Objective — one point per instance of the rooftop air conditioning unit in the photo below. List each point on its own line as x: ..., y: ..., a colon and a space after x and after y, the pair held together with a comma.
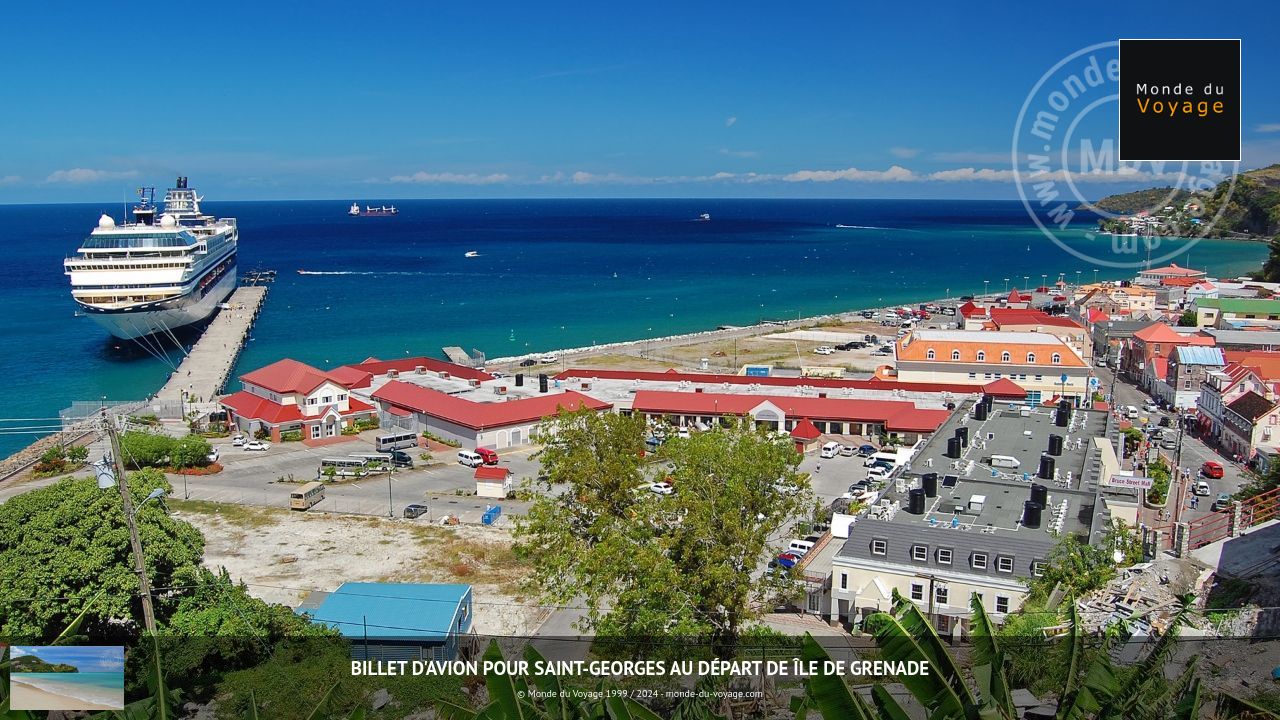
x: 473, y: 383
x: 500, y: 389
x: 585, y: 386
x: 393, y: 373
x: 443, y: 375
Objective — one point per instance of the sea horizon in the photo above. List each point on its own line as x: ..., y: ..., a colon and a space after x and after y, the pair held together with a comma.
x: 550, y: 274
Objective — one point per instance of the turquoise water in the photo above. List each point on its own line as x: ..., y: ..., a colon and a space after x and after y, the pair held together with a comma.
x: 550, y: 274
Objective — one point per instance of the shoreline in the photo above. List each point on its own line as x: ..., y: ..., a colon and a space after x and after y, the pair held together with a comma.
x: 25, y: 696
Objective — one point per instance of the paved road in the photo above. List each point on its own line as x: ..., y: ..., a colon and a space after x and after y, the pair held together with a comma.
x: 1194, y: 454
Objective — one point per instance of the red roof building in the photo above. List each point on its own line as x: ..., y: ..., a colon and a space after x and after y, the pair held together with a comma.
x: 1157, y: 340
x: 291, y: 396
x: 828, y: 415
x: 374, y: 366
x: 496, y: 425
x: 805, y: 430
x: 673, y: 375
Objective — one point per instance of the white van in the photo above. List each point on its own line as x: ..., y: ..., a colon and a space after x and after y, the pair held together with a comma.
x: 470, y: 458
x: 830, y: 450
x: 1004, y: 461
x: 877, y: 473
x: 881, y: 457
x: 800, y: 547
x: 1131, y: 412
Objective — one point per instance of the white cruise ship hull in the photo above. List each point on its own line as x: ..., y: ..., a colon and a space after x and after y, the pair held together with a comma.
x: 194, y: 307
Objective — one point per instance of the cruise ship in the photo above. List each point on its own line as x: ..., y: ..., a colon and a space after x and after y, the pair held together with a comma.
x: 160, y: 271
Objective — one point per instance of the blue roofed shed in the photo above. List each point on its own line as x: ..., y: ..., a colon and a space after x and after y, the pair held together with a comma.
x: 396, y: 621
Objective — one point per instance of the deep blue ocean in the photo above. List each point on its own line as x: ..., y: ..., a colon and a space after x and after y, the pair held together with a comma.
x: 550, y: 274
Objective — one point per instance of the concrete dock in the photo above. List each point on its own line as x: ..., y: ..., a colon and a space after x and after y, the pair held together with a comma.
x: 204, y: 372
x: 458, y: 356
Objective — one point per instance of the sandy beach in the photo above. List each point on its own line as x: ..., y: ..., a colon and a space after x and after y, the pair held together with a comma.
x: 30, y: 697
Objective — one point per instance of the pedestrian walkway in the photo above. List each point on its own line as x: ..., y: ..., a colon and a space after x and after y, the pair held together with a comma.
x: 204, y: 372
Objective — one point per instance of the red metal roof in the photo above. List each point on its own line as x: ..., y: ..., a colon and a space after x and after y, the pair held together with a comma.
x: 492, y: 472
x: 1004, y: 388
x: 288, y: 376
x: 894, y: 414
x: 805, y: 430
x: 351, y: 377
x: 672, y: 375
x: 247, y: 405
x: 1161, y: 333
x: 1014, y: 316
x: 374, y: 366
x: 1171, y: 270
x: 480, y: 415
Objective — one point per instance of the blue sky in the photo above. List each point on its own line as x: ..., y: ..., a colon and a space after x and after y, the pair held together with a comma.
x: 86, y: 659
x: 568, y: 99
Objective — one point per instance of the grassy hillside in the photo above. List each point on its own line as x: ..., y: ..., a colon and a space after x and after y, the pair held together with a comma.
x: 1253, y: 207
x: 31, y: 663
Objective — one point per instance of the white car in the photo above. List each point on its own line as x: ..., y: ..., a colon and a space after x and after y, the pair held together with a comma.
x: 1151, y: 407
x: 257, y: 445
x: 824, y: 350
x: 683, y: 433
x: 877, y: 473
x: 238, y: 440
x: 213, y: 455
x: 546, y: 359
x: 662, y: 488
x: 1202, y: 489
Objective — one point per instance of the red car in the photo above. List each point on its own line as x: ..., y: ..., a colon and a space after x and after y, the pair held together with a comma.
x: 1211, y: 469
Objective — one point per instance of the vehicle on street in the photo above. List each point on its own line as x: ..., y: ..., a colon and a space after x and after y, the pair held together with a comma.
x: 662, y: 488
x: 548, y: 358
x: 1201, y: 488
x: 848, y: 450
x: 1131, y: 412
x: 866, y: 450
x: 257, y: 445
x: 344, y: 466
x: 800, y: 547
x: 305, y: 497
x: 528, y: 362
x: 1211, y: 469
x: 786, y: 561
x: 239, y: 440
x: 1222, y: 502
x: 683, y: 433
x: 395, y: 441
x: 1165, y: 421
x: 823, y: 350
x: 1151, y: 407
x: 1169, y: 442
x: 415, y: 510
x: 401, y: 459
x: 879, y: 472
x: 470, y: 458
x: 213, y: 455
x: 829, y: 450
x: 489, y: 456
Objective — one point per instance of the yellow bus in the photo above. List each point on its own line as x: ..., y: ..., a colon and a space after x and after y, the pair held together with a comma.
x: 306, y: 496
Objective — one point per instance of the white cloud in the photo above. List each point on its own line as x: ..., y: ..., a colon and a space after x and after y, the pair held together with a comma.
x: 739, y: 153
x: 904, y: 152
x: 896, y: 173
x: 969, y: 174
x: 86, y: 175
x: 10, y: 180
x: 1267, y: 128
x: 730, y: 121
x: 446, y: 178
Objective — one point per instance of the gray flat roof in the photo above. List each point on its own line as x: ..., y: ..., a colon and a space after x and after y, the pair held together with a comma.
x: 979, y: 506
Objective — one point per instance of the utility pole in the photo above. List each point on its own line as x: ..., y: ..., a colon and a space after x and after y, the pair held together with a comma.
x: 135, y: 542
x: 391, y: 508
x: 1177, y: 468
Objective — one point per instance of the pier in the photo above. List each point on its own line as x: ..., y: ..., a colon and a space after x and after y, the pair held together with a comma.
x: 205, y: 371
x: 458, y: 356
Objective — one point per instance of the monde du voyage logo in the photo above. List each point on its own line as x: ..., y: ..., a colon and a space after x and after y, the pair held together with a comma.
x: 1179, y: 100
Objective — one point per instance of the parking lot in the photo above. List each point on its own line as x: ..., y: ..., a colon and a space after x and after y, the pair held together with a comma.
x: 265, y: 478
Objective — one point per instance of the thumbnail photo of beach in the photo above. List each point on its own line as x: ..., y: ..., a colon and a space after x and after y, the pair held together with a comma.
x: 66, y: 678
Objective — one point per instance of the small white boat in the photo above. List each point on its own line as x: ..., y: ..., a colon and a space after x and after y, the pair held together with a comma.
x: 704, y: 217
x: 473, y: 253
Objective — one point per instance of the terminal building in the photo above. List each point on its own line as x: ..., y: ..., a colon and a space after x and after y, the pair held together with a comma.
x: 288, y: 395
x: 977, y: 510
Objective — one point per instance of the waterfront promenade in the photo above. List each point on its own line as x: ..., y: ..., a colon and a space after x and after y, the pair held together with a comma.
x: 205, y: 370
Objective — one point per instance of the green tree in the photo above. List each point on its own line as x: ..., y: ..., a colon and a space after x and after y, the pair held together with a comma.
x: 1078, y: 567
x: 651, y: 565
x: 144, y: 449
x: 63, y: 544
x: 1187, y: 318
x: 190, y: 451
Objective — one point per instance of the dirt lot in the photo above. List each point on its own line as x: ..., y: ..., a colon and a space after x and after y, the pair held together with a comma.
x: 283, y: 555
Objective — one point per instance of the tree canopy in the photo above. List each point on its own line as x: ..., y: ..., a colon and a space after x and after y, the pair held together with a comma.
x: 60, y: 545
x: 652, y: 565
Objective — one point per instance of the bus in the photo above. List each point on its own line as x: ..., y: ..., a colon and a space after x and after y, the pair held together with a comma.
x: 377, y: 461
x: 345, y: 466
x: 396, y: 441
x: 305, y: 497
